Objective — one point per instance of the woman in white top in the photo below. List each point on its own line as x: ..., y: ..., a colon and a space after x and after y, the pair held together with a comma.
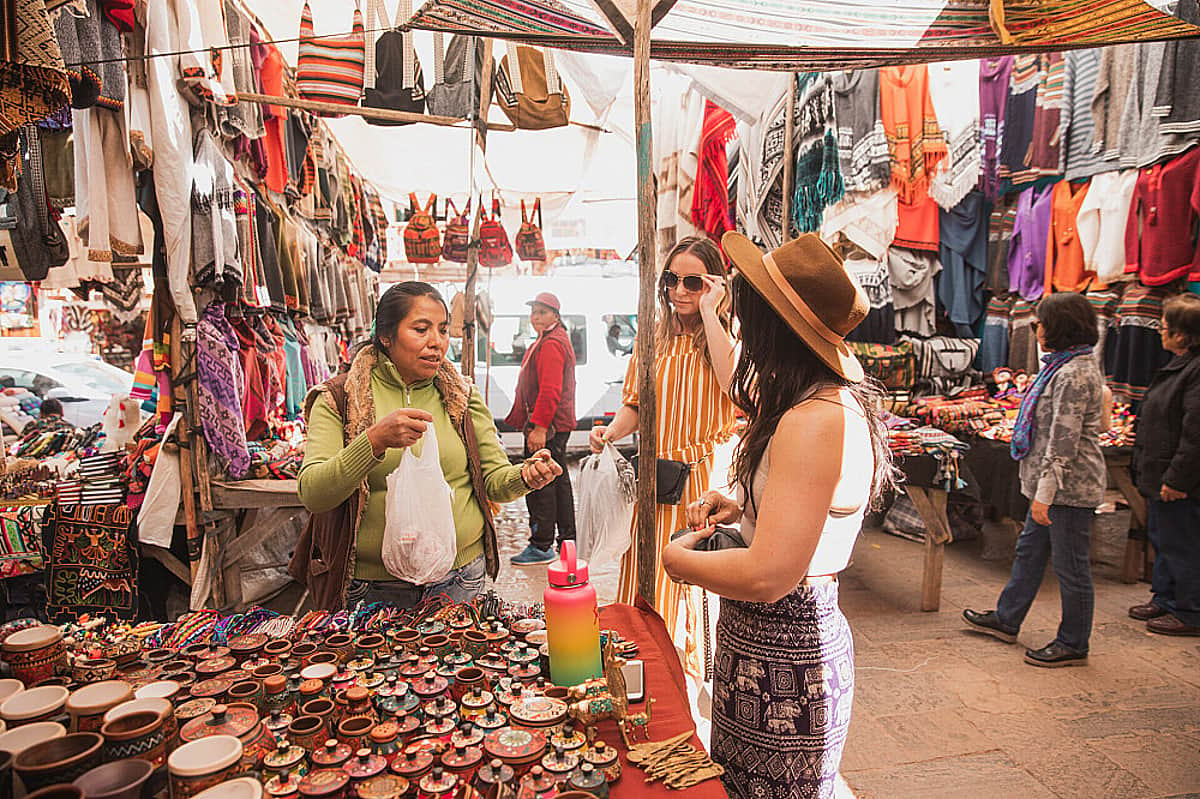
x: 814, y: 457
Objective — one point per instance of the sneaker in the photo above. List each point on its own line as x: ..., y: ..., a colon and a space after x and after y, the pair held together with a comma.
x: 988, y: 624
x: 1146, y: 612
x: 1054, y: 655
x: 1170, y: 625
x: 532, y: 556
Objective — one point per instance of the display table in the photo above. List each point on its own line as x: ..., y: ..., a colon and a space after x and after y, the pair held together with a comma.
x: 667, y: 685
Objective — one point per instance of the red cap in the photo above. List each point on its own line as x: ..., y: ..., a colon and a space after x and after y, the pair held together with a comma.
x: 567, y: 571
x: 547, y: 299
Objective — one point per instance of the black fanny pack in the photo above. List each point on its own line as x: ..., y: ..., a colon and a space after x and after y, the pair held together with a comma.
x: 671, y: 478
x: 722, y: 538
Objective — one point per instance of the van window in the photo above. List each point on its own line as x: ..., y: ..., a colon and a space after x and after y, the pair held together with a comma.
x: 511, y: 336
x: 620, y: 333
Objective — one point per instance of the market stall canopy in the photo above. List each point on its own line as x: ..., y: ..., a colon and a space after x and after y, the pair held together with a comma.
x: 812, y: 35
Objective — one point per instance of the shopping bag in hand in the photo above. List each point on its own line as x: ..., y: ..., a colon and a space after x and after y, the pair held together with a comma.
x: 607, y: 492
x: 419, y: 541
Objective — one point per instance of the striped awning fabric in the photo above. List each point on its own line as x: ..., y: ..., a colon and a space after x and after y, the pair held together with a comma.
x: 819, y: 34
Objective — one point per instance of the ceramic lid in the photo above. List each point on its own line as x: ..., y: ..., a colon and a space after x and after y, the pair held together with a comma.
x: 275, y: 684
x: 216, y: 665
x: 495, y: 771
x: 311, y: 687
x: 413, y: 762
x: 162, y: 689
x: 213, y: 687
x: 574, y: 740
x: 9, y: 687
x: 251, y: 642
x: 526, y: 626
x: 536, y: 637
x: 193, y: 708
x: 284, y: 784
x: 431, y: 684
x: 371, y: 680
x: 278, y: 721
x: 382, y: 786
x: 538, y: 779
x: 23, y: 737
x: 600, y: 754
x: 365, y: 764
x: 438, y: 781
x: 385, y: 732
x: 99, y: 696
x: 560, y: 761
x: 357, y: 694
x: 514, y: 745
x: 205, y: 755
x: 461, y: 758
x: 439, y: 727
x: 236, y: 719
x: 588, y: 777
x: 491, y: 720
x: 431, y: 627
x: 34, y: 702
x: 440, y: 708
x: 331, y: 754
x: 467, y: 734
x: 32, y: 638
x: 324, y: 782
x: 240, y: 788
x: 318, y: 671
x: 457, y: 659
x: 478, y: 699
x: 540, y: 711
x: 153, y: 704
x: 359, y: 665
x: 284, y: 756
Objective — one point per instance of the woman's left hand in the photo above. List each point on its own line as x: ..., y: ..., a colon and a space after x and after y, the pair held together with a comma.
x: 714, y: 292
x: 685, y: 543
x: 1040, y: 512
x: 540, y: 470
x: 1169, y: 494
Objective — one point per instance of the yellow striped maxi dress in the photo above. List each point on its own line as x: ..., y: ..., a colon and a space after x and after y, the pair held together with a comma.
x: 694, y: 417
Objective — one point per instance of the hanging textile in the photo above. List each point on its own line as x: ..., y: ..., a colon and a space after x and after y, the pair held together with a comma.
x: 912, y: 276
x: 269, y: 64
x: 1000, y: 227
x: 879, y: 327
x: 1023, y: 352
x: 91, y: 44
x: 1177, y: 97
x: 916, y: 147
x: 710, y: 198
x: 1066, y: 269
x: 1076, y: 126
x: 1027, y: 252
x: 1117, y: 66
x: 1135, y: 353
x: 35, y: 84
x: 205, y: 66
x: 963, y: 235
x: 1143, y: 140
x: 216, y: 261
x: 993, y: 346
x: 1019, y: 111
x: 240, y: 119
x: 1165, y: 209
x: 220, y: 383
x: 106, y: 201
x: 93, y: 562
x: 954, y: 90
x: 861, y: 140
x: 1101, y: 224
x: 994, y: 74
x: 867, y: 220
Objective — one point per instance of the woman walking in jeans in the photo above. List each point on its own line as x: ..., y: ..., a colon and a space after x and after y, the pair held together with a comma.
x: 1057, y: 441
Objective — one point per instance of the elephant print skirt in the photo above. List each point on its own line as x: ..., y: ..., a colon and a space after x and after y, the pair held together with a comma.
x: 782, y: 692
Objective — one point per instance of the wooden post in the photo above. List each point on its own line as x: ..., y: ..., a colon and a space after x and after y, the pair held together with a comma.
x: 789, y: 163
x: 931, y: 504
x: 183, y: 431
x: 647, y: 545
x: 480, y: 141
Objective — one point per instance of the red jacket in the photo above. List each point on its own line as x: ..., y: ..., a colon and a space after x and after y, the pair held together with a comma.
x: 546, y: 386
x: 1166, y: 203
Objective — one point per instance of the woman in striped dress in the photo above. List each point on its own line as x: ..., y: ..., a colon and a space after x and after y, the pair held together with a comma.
x: 692, y: 369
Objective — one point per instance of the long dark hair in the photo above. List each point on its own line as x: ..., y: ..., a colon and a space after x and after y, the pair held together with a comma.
x: 668, y: 323
x: 395, y: 304
x: 774, y: 372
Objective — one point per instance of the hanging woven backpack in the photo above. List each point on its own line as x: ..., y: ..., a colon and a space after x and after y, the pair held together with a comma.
x: 457, y: 237
x: 330, y: 68
x: 495, y: 251
x: 394, y: 79
x: 529, y: 89
x: 457, y: 77
x: 530, y: 244
x: 422, y: 242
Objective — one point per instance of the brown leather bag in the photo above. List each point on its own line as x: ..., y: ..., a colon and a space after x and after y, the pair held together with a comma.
x: 321, y: 560
x: 532, y: 96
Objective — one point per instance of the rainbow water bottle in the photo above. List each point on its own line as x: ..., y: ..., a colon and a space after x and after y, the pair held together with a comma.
x: 572, y: 621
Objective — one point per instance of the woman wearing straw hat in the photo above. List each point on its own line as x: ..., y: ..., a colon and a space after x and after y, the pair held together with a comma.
x: 813, y: 459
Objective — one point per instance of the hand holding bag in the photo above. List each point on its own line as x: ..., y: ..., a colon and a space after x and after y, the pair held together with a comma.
x: 722, y: 538
x: 419, y: 538
x: 529, y: 89
x: 530, y: 244
x: 398, y: 83
x: 330, y: 69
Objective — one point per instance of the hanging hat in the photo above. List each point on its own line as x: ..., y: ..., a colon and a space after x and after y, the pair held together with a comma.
x: 806, y: 284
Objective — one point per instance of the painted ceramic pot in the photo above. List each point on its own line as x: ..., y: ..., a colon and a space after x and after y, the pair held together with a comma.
x: 240, y: 788
x: 494, y: 667
x: 437, y: 784
x: 577, y: 795
x: 283, y: 786
x: 538, y: 784
x: 438, y: 644
x: 355, y: 731
x: 120, y: 779
x: 277, y: 649
x: 406, y: 640
x: 324, y: 784
x: 139, y: 734
x: 589, y: 780
x: 466, y: 679
x: 124, y: 650
x: 413, y: 764
x: 37, y: 704
x: 214, y: 666
x: 193, y: 708
x: 198, y: 765
x: 20, y: 739
x: 160, y: 656
x: 57, y: 791
x: 430, y: 686
x: 331, y: 755
x: 87, y: 706
x: 247, y: 691
x: 463, y: 761
x: 323, y: 709
x: 497, y: 634
x: 342, y: 644
x: 516, y: 747
x: 35, y: 653
x: 492, y: 719
x: 285, y: 758
x: 319, y: 671
x: 59, y: 759
x: 88, y: 670
x: 303, y: 651
x: 270, y: 669
x: 432, y: 627
x: 384, y: 740
x: 475, y: 703
x: 246, y: 647
x: 569, y: 737
x: 474, y: 643
x: 275, y: 697
x: 160, y: 689
x: 604, y: 758
x: 155, y: 705
x: 383, y: 786
x: 364, y: 765
x: 214, y: 688
x: 493, y: 775
x: 240, y: 720
x: 308, y: 731
x: 372, y: 645
x: 467, y: 735
x: 539, y: 713
x: 560, y: 764
x: 278, y: 723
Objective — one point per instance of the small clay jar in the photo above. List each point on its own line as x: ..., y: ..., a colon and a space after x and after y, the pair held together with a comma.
x: 88, y: 670
x: 438, y: 784
x: 560, y: 764
x: 493, y: 775
x: 406, y: 640
x: 278, y: 722
x: 308, y: 731
x: 605, y: 759
x: 324, y: 784
x: 284, y: 785
x: 248, y: 691
x: 342, y: 644
x: 430, y: 686
x: 383, y: 786
x: 463, y: 761
x: 467, y: 735
x: 303, y: 652
x: 286, y: 758
x: 277, y: 649
x: 587, y: 779
x: 141, y: 735
x: 413, y: 764
x: 364, y: 765
x: 354, y: 731
x: 538, y: 784
x: 35, y: 653
x: 321, y: 708
x: 384, y: 740
x: 58, y: 759
x: 474, y: 643
x: 275, y: 697
x: 331, y: 755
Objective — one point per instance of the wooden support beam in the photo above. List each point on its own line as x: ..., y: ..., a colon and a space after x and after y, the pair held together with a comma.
x: 647, y: 544
x: 480, y: 142
x: 931, y: 504
x: 789, y: 163
x: 186, y: 460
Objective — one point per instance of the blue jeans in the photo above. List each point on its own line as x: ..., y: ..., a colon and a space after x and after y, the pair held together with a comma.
x: 1068, y: 541
x: 460, y: 585
x: 1174, y: 531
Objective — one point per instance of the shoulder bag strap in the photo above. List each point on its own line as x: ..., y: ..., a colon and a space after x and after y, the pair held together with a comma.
x: 469, y: 62
x: 439, y: 58
x: 404, y: 13
x: 376, y: 19
x: 491, y: 550
x: 537, y: 211
x: 450, y: 205
x: 524, y: 218
x: 553, y: 81
x: 413, y: 205
x: 514, y: 68
x: 495, y: 209
x: 431, y: 205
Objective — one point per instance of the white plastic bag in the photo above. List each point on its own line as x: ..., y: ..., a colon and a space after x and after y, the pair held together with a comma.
x: 419, y: 541
x: 607, y: 492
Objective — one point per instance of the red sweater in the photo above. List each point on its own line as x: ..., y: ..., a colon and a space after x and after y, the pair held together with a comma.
x: 1158, y: 235
x: 546, y: 386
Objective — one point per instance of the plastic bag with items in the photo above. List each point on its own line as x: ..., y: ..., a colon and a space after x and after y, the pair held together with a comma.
x: 419, y: 539
x: 607, y: 493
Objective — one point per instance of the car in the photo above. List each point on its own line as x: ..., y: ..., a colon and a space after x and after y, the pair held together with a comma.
x: 84, y: 385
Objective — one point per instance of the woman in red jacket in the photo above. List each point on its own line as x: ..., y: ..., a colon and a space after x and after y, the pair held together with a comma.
x: 544, y: 408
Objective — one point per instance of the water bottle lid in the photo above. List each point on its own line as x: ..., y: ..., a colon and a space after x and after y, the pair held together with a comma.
x: 568, y: 571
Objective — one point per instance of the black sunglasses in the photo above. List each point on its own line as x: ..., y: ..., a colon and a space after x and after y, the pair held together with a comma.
x: 690, y: 282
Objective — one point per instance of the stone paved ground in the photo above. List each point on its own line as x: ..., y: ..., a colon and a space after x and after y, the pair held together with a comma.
x: 942, y: 712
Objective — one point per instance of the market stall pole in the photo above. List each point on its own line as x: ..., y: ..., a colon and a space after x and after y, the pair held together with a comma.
x: 647, y: 546
x: 931, y: 504
x: 789, y: 164
x: 480, y: 142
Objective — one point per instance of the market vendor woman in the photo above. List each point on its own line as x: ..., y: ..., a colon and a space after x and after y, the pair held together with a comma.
x: 359, y: 424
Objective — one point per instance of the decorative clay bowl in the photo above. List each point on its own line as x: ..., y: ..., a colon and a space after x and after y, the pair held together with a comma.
x: 120, y: 779
x: 240, y: 788
x: 87, y: 705
x: 203, y: 763
x: 59, y: 759
x: 18, y: 740
x: 36, y: 704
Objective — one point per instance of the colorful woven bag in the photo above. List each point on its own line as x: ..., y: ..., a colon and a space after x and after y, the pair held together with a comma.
x: 530, y: 244
x: 422, y: 242
x: 529, y: 89
x: 495, y: 250
x: 457, y: 237
x: 394, y: 78
x: 894, y: 366
x: 330, y: 68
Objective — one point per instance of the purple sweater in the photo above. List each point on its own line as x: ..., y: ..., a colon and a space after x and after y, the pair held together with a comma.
x: 993, y: 94
x: 1027, y: 253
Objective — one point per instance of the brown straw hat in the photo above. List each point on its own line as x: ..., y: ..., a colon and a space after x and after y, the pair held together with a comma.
x: 806, y: 284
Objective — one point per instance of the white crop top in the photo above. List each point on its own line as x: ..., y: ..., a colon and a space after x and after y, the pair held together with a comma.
x: 852, y: 493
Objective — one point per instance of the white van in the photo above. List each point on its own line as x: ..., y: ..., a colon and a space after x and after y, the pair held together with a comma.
x: 600, y: 314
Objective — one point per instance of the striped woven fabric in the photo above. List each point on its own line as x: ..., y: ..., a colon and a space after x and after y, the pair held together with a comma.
x: 815, y: 35
x: 330, y: 68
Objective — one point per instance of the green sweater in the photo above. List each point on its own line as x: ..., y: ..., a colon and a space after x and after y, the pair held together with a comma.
x: 332, y: 472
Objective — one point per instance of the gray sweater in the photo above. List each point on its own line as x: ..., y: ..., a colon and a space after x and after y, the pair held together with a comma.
x: 1065, y: 465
